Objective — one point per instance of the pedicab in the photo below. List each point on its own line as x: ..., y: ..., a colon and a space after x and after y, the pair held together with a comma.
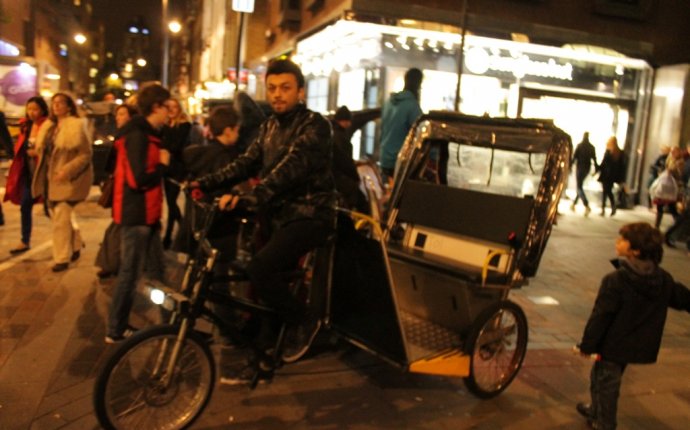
x: 424, y: 286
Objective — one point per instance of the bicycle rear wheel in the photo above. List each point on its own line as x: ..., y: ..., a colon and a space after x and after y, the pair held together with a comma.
x: 497, y: 344
x: 130, y: 392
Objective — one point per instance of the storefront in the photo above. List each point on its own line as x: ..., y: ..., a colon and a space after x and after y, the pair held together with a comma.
x: 359, y: 64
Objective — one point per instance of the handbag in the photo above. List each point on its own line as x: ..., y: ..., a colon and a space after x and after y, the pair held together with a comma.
x: 664, y: 188
x: 106, y: 198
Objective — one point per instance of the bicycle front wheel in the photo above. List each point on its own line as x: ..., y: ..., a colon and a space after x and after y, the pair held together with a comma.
x: 136, y: 390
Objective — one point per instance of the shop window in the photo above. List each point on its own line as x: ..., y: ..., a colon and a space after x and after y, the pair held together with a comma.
x: 317, y: 95
x: 290, y: 15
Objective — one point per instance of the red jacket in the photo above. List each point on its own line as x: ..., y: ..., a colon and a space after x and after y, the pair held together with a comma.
x: 18, y: 171
x: 137, y: 191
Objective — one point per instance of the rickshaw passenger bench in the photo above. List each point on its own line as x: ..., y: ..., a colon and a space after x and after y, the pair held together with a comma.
x: 460, y: 232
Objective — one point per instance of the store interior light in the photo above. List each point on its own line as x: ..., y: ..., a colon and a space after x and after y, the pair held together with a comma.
x: 80, y: 38
x: 133, y: 29
x: 141, y: 62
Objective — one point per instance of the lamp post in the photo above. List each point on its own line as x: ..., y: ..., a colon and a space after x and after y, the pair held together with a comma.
x: 166, y: 45
x: 242, y: 7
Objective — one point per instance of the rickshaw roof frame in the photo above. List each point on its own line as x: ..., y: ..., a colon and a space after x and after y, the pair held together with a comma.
x: 510, y: 134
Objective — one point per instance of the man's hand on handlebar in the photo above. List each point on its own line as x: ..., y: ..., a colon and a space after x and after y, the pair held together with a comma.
x: 228, y: 202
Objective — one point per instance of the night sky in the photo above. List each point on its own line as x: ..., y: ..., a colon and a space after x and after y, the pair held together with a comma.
x: 116, y: 14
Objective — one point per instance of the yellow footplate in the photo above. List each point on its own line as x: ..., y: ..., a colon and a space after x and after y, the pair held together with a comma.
x: 451, y: 363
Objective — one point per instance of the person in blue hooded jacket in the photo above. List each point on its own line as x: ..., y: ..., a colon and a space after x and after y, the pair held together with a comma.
x: 399, y: 113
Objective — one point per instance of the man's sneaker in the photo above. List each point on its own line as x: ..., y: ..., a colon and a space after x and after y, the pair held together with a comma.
x: 298, y: 339
x: 586, y: 411
x: 241, y: 376
x: 572, y: 207
x: 587, y: 210
x: 111, y: 339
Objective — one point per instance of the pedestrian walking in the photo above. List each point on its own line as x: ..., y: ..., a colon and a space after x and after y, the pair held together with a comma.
x: 64, y: 175
x: 137, y: 203
x: 674, y: 169
x: 627, y: 322
x: 611, y: 171
x: 18, y: 187
x: 583, y: 158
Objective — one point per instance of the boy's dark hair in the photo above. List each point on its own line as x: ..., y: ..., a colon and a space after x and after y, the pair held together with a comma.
x: 149, y: 96
x: 278, y: 67
x: 645, y: 239
x: 222, y: 117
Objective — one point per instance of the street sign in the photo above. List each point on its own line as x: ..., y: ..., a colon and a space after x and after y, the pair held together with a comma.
x: 246, y: 6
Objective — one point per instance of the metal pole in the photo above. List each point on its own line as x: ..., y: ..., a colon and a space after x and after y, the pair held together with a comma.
x: 166, y: 45
x: 461, y: 55
x: 239, y: 52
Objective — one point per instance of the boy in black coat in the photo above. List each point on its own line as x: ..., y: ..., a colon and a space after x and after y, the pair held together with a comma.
x: 628, y: 318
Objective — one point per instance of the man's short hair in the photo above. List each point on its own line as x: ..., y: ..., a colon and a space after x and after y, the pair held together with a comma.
x: 413, y: 79
x: 343, y: 114
x: 645, y: 239
x: 222, y: 117
x: 149, y: 96
x: 278, y: 67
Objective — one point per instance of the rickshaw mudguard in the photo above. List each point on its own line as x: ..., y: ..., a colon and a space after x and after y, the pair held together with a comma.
x: 451, y: 363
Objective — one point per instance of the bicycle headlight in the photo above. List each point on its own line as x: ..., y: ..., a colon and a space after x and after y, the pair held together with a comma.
x: 168, y: 298
x: 157, y: 296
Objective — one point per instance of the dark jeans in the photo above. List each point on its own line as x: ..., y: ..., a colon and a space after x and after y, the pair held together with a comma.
x: 607, y: 189
x: 139, y: 245
x: 281, y: 255
x: 25, y: 207
x: 172, y: 191
x: 679, y: 222
x: 660, y: 212
x: 605, y: 384
x: 580, y: 179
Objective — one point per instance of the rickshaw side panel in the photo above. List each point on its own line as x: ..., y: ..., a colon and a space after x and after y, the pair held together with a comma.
x: 439, y: 298
x: 363, y: 307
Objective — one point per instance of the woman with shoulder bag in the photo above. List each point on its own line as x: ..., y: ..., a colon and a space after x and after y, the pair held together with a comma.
x: 108, y: 257
x: 18, y: 187
x: 64, y: 175
x: 673, y: 173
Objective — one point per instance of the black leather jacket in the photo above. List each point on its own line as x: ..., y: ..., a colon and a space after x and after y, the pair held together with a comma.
x: 292, y: 156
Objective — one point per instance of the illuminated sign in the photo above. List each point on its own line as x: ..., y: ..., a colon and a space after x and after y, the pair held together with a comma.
x: 246, y: 6
x: 480, y: 60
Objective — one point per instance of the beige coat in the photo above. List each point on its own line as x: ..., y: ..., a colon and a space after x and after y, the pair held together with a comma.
x: 71, y: 154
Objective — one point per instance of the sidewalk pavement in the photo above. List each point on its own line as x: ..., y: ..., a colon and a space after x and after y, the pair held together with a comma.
x: 52, y: 328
